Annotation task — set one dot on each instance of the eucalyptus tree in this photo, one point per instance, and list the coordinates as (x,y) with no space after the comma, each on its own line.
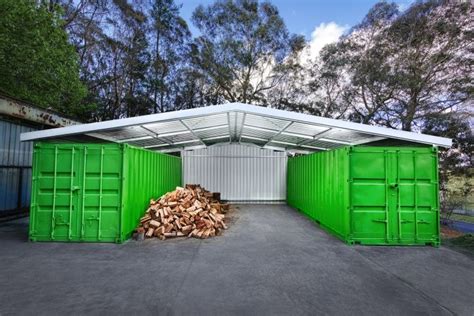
(168,42)
(431,57)
(328,89)
(370,88)
(242,48)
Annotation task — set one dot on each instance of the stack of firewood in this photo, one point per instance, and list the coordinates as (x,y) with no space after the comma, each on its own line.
(191,211)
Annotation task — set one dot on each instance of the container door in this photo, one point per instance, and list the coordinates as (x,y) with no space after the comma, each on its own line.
(371,201)
(417,208)
(100,193)
(76,192)
(394,196)
(56,194)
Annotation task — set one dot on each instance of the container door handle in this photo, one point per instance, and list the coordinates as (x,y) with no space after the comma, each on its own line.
(421,221)
(394,185)
(75,188)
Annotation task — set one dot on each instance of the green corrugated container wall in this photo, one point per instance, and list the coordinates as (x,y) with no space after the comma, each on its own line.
(95,192)
(370,195)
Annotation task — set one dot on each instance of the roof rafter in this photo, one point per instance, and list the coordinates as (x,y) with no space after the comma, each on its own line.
(155,135)
(279,132)
(192,132)
(230,132)
(315,137)
(242,127)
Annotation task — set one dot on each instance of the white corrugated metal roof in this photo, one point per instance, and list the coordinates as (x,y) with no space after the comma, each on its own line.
(235,123)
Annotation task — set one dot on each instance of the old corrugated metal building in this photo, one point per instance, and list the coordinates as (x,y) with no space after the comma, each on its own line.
(17,117)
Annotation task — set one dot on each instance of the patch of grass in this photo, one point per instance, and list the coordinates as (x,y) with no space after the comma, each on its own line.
(465,241)
(462,218)
(463,244)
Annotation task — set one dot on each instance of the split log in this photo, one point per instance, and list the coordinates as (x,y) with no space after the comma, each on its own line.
(150,231)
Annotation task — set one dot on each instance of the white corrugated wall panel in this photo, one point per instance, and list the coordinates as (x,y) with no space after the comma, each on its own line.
(238,172)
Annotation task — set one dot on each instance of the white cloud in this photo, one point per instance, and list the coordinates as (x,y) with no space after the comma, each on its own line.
(323,34)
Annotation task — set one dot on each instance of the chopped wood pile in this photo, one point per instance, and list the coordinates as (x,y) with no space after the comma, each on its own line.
(191,211)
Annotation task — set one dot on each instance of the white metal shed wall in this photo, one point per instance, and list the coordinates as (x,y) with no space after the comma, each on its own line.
(239,172)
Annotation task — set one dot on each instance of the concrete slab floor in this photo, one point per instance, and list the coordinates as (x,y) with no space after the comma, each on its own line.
(271,261)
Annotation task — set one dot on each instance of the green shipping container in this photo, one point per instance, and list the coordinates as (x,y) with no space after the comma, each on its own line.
(95,192)
(370,195)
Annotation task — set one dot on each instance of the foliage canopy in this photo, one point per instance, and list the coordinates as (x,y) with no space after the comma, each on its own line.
(37,62)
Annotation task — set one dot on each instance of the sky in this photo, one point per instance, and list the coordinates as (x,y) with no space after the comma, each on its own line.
(320,21)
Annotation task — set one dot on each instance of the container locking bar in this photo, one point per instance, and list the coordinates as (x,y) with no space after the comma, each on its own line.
(70,195)
(53,218)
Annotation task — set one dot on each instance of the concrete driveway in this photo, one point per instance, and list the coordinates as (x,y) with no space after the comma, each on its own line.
(271,261)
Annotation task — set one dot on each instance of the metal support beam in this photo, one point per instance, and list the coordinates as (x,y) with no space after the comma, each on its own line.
(192,132)
(335,141)
(235,123)
(134,139)
(155,135)
(265,129)
(285,143)
(215,137)
(254,138)
(242,127)
(230,132)
(315,137)
(314,147)
(173,144)
(279,132)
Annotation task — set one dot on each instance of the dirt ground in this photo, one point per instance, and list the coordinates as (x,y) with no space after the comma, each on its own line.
(447,232)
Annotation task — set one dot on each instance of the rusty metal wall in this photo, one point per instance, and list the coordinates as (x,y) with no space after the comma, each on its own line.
(15,168)
(239,172)
(20,110)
